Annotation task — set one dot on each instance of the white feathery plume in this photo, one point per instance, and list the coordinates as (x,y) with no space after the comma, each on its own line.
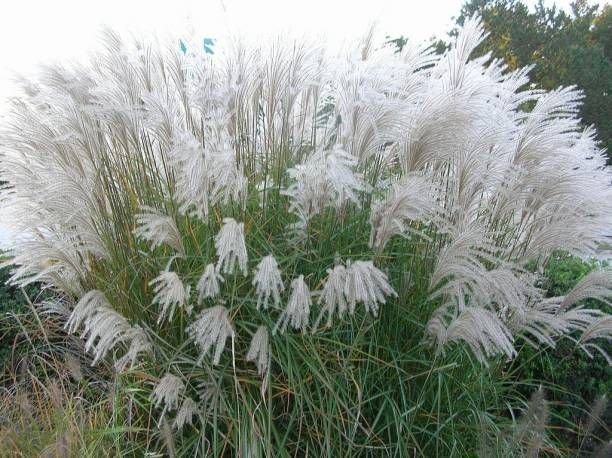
(481,329)
(230,183)
(104,328)
(231,248)
(51,258)
(545,320)
(367,285)
(139,344)
(325,179)
(459,271)
(298,308)
(344,182)
(208,176)
(260,354)
(332,296)
(158,229)
(208,285)
(168,392)
(193,180)
(259,351)
(411,199)
(211,329)
(596,285)
(185,414)
(87,305)
(601,328)
(170,292)
(538,321)
(268,282)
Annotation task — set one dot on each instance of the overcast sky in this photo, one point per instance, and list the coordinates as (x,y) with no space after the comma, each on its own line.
(35,31)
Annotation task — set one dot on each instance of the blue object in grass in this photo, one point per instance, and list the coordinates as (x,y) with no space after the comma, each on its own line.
(207,44)
(183,46)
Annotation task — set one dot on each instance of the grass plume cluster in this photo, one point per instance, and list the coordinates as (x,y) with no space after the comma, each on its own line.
(284,250)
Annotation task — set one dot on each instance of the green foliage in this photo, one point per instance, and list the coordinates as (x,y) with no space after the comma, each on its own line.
(573,380)
(12,302)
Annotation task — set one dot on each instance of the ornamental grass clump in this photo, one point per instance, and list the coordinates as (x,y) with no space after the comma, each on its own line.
(409,199)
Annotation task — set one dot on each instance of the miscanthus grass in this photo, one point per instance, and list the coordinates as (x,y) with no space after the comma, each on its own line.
(363,234)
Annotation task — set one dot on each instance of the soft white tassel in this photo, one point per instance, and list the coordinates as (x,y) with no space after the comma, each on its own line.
(367,285)
(481,329)
(259,353)
(168,392)
(169,293)
(231,247)
(268,282)
(259,350)
(158,229)
(104,329)
(208,285)
(184,416)
(139,345)
(85,308)
(412,198)
(333,297)
(325,179)
(298,308)
(211,329)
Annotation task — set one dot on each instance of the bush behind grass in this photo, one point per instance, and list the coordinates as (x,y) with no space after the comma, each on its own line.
(574,380)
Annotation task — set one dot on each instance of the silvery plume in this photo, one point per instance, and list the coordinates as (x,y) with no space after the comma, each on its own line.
(210,330)
(208,284)
(231,248)
(158,229)
(170,292)
(268,283)
(168,392)
(297,311)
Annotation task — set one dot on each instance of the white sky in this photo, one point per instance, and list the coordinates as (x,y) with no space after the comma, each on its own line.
(35,31)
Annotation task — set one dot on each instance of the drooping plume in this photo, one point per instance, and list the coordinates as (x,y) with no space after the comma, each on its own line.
(103,329)
(170,293)
(297,311)
(325,179)
(208,284)
(268,283)
(367,285)
(168,391)
(412,199)
(210,330)
(158,229)
(259,351)
(333,297)
(231,247)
